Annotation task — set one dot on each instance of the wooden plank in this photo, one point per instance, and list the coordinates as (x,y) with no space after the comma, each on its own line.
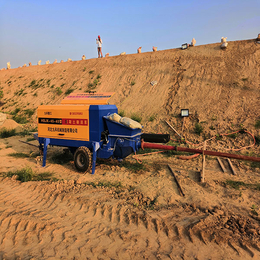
(221,165)
(183,122)
(203,163)
(177,182)
(231,166)
(173,129)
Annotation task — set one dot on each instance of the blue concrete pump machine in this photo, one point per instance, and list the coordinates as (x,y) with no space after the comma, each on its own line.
(82,123)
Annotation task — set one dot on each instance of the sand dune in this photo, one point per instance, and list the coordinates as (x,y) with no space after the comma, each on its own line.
(83,216)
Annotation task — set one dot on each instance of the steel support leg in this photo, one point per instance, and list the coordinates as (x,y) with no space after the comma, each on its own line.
(95,146)
(45,143)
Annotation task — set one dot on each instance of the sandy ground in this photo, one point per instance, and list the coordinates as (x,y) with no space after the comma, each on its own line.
(84,216)
(145,218)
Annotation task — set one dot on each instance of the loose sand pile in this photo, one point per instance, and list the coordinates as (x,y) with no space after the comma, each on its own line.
(9,124)
(2,118)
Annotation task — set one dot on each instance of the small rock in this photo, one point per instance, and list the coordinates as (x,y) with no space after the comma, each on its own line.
(14,177)
(227,226)
(193,206)
(252,231)
(78,181)
(153,83)
(71,182)
(219,212)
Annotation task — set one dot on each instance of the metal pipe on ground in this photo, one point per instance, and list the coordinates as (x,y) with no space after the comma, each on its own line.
(190,150)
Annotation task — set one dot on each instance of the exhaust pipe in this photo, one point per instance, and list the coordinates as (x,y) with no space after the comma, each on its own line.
(156,138)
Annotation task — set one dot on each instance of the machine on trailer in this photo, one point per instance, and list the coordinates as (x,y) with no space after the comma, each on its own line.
(81,122)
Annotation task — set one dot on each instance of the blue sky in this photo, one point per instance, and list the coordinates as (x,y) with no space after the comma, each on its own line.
(36,30)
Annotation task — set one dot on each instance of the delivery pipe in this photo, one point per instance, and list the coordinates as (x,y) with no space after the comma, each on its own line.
(189,150)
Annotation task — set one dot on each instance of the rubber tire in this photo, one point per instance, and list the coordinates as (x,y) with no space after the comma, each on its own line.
(82,159)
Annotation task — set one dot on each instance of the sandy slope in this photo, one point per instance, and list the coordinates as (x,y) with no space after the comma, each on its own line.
(146,218)
(210,82)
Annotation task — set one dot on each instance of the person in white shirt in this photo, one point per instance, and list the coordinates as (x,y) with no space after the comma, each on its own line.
(99,43)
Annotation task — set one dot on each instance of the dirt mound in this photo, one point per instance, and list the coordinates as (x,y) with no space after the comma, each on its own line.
(10,124)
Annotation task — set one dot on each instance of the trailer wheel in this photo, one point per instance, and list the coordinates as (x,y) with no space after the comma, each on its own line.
(82,159)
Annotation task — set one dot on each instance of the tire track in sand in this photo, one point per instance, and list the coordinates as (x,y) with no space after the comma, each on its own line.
(40,219)
(35,216)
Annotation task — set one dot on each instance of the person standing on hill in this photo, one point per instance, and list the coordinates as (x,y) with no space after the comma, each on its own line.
(99,43)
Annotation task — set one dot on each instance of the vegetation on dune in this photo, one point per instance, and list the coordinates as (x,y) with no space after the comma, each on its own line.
(1,94)
(237,184)
(27,174)
(198,129)
(19,155)
(58,91)
(121,113)
(152,118)
(136,117)
(257,124)
(5,133)
(68,91)
(106,184)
